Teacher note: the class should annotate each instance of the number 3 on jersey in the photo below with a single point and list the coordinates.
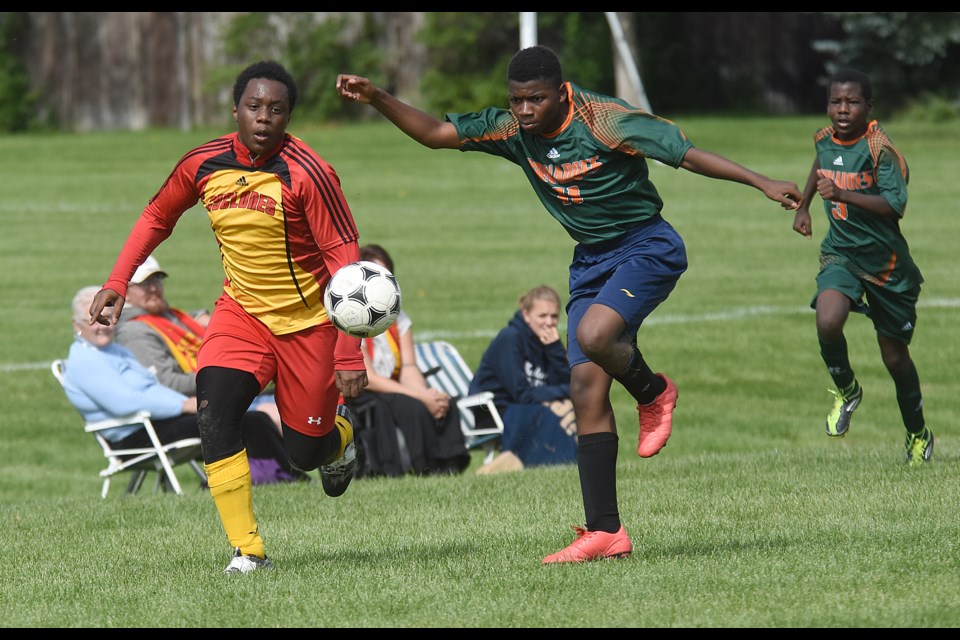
(838, 210)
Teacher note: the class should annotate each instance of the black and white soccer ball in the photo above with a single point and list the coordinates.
(362, 299)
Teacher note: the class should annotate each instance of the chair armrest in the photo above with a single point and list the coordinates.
(140, 417)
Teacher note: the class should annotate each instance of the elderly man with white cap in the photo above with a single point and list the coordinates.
(167, 339)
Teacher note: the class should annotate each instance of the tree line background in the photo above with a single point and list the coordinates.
(82, 71)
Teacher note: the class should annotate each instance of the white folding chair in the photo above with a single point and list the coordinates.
(446, 370)
(158, 457)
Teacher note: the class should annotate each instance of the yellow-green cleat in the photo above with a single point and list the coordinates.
(838, 420)
(919, 447)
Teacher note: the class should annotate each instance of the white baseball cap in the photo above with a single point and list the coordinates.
(149, 267)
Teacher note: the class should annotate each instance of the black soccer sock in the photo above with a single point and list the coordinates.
(910, 399)
(638, 379)
(837, 359)
(597, 464)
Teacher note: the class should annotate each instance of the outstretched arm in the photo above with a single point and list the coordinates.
(715, 166)
(422, 127)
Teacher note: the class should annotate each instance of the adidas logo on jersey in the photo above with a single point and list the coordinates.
(242, 182)
(838, 162)
(907, 327)
(553, 154)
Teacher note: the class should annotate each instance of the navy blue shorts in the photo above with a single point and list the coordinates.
(632, 275)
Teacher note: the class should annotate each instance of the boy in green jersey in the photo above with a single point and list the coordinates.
(585, 156)
(865, 263)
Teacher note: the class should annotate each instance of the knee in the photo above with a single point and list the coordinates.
(217, 440)
(829, 329)
(898, 363)
(302, 461)
(307, 453)
(589, 389)
(593, 341)
(579, 392)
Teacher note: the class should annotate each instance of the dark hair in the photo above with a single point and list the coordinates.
(535, 63)
(374, 252)
(271, 70)
(852, 75)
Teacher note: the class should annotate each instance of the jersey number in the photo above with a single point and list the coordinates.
(838, 210)
(569, 195)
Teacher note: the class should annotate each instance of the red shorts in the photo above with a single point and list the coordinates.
(300, 364)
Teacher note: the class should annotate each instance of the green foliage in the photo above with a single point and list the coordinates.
(751, 516)
(908, 54)
(313, 51)
(469, 53)
(253, 36)
(931, 108)
(317, 52)
(468, 56)
(583, 42)
(17, 102)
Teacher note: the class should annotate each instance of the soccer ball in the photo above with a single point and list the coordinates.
(362, 299)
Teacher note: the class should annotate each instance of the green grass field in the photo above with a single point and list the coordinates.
(750, 517)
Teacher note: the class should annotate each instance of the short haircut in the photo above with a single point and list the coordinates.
(376, 253)
(848, 74)
(271, 70)
(80, 307)
(535, 63)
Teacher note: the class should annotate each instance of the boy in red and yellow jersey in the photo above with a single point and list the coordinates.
(283, 227)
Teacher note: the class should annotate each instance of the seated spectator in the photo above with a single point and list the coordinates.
(413, 428)
(104, 379)
(166, 339)
(526, 368)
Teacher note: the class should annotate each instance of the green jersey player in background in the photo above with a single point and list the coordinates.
(585, 156)
(865, 263)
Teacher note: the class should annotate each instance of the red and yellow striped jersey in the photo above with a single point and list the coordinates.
(281, 222)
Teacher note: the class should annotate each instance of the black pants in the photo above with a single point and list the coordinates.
(396, 434)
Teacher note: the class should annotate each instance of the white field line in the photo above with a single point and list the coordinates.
(715, 316)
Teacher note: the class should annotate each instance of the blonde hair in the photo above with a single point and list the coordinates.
(81, 303)
(543, 292)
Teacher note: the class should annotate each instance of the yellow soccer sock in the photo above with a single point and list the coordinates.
(232, 491)
(346, 434)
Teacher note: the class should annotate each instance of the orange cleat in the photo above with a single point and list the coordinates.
(593, 545)
(656, 421)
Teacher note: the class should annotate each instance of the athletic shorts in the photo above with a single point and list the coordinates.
(632, 275)
(300, 364)
(894, 314)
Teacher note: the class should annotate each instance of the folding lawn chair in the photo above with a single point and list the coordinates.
(139, 461)
(446, 370)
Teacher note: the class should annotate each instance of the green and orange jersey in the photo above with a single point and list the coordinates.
(281, 222)
(591, 174)
(872, 245)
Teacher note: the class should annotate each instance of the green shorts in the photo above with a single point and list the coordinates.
(894, 313)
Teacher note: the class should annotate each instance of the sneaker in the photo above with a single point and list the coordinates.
(336, 476)
(919, 447)
(838, 420)
(656, 420)
(245, 564)
(593, 545)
